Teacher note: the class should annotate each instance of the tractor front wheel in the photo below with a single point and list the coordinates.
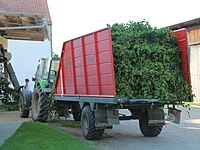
(24, 103)
(23, 112)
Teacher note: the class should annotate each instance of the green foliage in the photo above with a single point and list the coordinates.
(35, 135)
(7, 93)
(147, 63)
(51, 106)
(53, 109)
(9, 107)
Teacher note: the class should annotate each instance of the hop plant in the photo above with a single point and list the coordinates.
(147, 63)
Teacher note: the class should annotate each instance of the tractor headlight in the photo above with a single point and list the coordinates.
(51, 80)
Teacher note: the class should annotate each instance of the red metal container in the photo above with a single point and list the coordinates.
(181, 36)
(87, 68)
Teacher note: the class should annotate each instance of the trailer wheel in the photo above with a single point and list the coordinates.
(88, 125)
(39, 108)
(77, 116)
(76, 112)
(149, 130)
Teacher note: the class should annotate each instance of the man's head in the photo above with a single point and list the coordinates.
(26, 80)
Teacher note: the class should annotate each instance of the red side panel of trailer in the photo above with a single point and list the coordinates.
(181, 36)
(86, 66)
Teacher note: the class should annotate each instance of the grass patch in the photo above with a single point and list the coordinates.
(36, 136)
(69, 123)
(9, 107)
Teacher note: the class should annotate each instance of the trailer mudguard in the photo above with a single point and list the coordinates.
(156, 116)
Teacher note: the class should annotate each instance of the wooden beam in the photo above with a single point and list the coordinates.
(14, 19)
(18, 21)
(7, 23)
(21, 14)
(25, 32)
(25, 38)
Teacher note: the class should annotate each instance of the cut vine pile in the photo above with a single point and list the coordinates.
(147, 63)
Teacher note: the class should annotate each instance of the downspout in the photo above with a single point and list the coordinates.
(51, 38)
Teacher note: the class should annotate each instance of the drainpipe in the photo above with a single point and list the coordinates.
(51, 38)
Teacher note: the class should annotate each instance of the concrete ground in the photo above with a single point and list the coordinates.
(7, 130)
(127, 135)
(9, 123)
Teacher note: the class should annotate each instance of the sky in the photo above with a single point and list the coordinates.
(73, 18)
(78, 17)
(25, 56)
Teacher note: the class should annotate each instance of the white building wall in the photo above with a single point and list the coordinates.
(195, 71)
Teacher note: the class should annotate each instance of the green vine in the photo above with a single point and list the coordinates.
(147, 63)
(7, 93)
(51, 107)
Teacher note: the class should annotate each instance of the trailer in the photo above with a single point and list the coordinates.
(85, 84)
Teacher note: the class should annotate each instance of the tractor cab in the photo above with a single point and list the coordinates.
(46, 73)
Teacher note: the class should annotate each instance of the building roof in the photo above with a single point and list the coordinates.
(26, 6)
(186, 24)
(22, 26)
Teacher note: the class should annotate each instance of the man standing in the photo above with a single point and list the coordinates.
(27, 87)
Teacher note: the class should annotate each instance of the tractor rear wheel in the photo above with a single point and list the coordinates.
(39, 105)
(88, 125)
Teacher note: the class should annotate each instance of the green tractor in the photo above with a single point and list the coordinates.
(44, 79)
(44, 84)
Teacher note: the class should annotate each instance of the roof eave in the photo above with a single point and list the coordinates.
(23, 26)
(185, 24)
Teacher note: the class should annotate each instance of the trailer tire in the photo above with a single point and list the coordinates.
(76, 116)
(39, 105)
(76, 112)
(88, 125)
(149, 130)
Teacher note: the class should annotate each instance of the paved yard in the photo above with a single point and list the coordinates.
(9, 123)
(127, 135)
